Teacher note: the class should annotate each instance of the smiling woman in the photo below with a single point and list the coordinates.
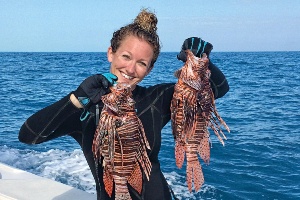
(133, 51)
(132, 61)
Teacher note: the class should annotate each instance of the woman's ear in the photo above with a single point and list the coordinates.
(109, 54)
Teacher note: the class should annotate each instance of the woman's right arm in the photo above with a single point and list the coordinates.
(58, 119)
(65, 116)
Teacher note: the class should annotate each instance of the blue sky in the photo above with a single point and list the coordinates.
(87, 26)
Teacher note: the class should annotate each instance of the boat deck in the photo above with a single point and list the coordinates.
(16, 184)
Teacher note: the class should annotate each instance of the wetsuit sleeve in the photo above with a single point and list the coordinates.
(60, 118)
(166, 103)
(218, 81)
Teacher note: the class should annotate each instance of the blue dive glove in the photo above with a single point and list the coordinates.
(197, 46)
(92, 89)
(111, 78)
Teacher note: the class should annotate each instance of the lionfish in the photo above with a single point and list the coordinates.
(193, 110)
(121, 141)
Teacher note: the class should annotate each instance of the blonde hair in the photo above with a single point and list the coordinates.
(143, 27)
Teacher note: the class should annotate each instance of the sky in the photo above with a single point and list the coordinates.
(88, 25)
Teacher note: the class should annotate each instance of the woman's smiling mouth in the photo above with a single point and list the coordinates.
(126, 76)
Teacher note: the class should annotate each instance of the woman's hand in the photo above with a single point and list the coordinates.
(93, 88)
(196, 45)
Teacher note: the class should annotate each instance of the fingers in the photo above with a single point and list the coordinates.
(182, 56)
(98, 81)
(111, 78)
(196, 45)
(199, 46)
(105, 80)
(193, 44)
(208, 48)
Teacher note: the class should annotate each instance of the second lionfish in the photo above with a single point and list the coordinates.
(121, 141)
(193, 110)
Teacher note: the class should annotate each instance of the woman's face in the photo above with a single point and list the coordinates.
(131, 62)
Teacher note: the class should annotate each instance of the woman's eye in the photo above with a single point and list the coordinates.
(143, 64)
(126, 57)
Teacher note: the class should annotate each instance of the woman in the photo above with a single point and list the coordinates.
(132, 54)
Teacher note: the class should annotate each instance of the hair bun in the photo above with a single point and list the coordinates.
(147, 21)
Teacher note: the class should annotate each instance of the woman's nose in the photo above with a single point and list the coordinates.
(131, 67)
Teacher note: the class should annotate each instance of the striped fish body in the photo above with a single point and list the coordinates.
(192, 112)
(121, 141)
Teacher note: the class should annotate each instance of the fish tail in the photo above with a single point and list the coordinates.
(121, 188)
(179, 153)
(108, 182)
(135, 179)
(194, 173)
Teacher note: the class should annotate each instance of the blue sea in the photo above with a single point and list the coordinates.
(261, 156)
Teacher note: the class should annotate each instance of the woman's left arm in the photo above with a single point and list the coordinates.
(218, 81)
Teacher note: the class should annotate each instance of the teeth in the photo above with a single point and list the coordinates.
(126, 76)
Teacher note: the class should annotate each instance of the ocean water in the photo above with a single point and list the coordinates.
(260, 159)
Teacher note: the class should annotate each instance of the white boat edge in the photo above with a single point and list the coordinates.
(16, 184)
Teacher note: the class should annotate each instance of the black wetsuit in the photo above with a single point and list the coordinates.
(153, 108)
